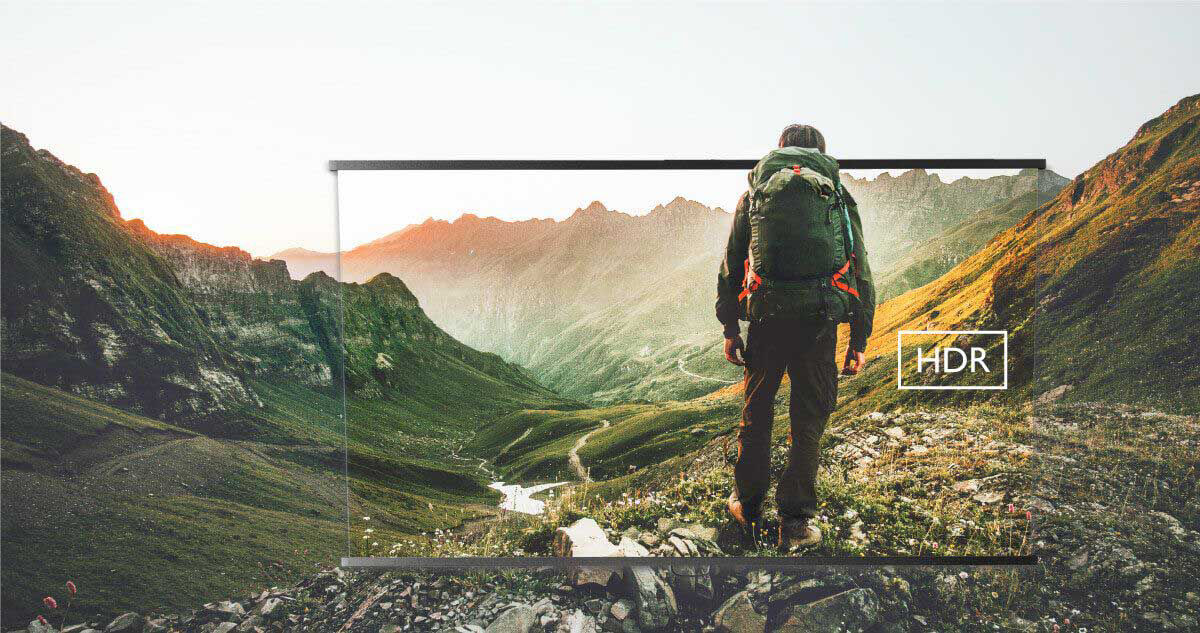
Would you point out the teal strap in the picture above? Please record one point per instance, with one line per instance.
(846, 221)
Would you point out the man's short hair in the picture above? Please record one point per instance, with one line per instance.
(799, 135)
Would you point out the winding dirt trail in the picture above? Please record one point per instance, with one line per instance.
(688, 373)
(573, 456)
(514, 442)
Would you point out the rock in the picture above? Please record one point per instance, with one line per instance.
(269, 606)
(895, 432)
(1053, 395)
(683, 547)
(852, 611)
(577, 622)
(989, 497)
(157, 625)
(232, 608)
(622, 609)
(666, 525)
(126, 623)
(631, 548)
(519, 618)
(225, 627)
(250, 623)
(703, 532)
(969, 486)
(38, 627)
(876, 416)
(918, 449)
(737, 615)
(1078, 560)
(654, 598)
(585, 538)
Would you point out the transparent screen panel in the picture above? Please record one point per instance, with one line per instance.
(530, 349)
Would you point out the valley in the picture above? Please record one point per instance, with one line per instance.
(630, 297)
(187, 406)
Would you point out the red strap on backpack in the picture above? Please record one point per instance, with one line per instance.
(839, 277)
(750, 281)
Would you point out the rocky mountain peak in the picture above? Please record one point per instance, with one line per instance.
(594, 209)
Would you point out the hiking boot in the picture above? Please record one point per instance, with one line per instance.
(742, 515)
(795, 534)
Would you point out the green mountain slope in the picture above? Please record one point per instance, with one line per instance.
(932, 258)
(1095, 288)
(88, 309)
(161, 395)
(605, 306)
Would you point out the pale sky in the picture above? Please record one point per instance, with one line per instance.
(217, 119)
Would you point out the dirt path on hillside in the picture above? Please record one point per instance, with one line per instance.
(514, 442)
(688, 373)
(573, 456)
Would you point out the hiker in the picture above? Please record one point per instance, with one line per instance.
(795, 267)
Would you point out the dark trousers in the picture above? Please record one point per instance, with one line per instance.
(805, 351)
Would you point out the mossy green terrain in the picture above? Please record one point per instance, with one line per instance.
(167, 402)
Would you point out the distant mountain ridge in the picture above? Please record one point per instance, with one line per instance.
(165, 325)
(900, 212)
(604, 305)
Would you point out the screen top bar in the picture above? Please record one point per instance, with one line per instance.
(848, 163)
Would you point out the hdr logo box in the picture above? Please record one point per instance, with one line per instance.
(941, 360)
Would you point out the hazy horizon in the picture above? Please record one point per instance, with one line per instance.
(218, 120)
(373, 204)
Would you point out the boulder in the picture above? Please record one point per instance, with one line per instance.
(622, 609)
(225, 627)
(250, 623)
(126, 623)
(585, 538)
(632, 548)
(519, 618)
(737, 615)
(577, 622)
(38, 627)
(654, 598)
(852, 611)
(269, 606)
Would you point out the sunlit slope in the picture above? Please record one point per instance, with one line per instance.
(1096, 287)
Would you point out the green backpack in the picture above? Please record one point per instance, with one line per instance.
(801, 243)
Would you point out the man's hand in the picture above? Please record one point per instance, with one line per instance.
(732, 345)
(854, 361)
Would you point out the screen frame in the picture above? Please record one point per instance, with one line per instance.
(737, 563)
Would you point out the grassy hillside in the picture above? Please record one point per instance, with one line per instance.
(1094, 288)
(86, 307)
(182, 406)
(934, 257)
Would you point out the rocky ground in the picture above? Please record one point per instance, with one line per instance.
(1105, 496)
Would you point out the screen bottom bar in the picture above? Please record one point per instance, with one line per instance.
(726, 562)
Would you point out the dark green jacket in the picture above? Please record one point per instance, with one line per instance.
(729, 278)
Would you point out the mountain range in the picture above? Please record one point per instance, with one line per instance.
(168, 404)
(609, 307)
(161, 393)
